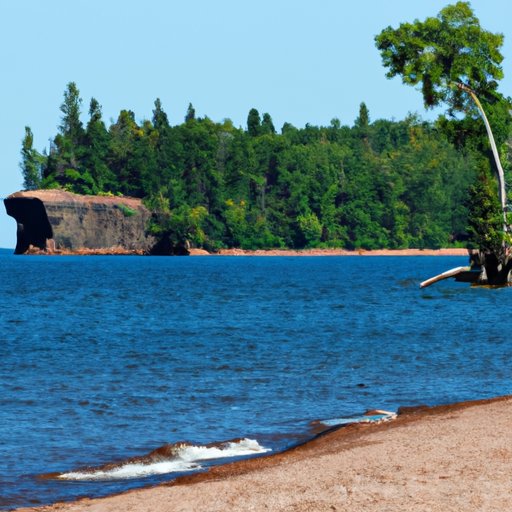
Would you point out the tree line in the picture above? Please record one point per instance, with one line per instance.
(380, 184)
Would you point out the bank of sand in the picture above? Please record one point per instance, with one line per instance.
(451, 458)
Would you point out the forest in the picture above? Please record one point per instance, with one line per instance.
(369, 184)
(381, 184)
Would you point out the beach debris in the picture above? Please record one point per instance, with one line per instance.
(445, 275)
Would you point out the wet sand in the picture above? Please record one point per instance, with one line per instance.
(448, 458)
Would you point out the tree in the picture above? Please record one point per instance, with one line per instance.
(441, 52)
(71, 126)
(267, 126)
(485, 222)
(363, 119)
(160, 120)
(362, 122)
(458, 64)
(125, 136)
(31, 162)
(65, 164)
(96, 147)
(191, 113)
(253, 123)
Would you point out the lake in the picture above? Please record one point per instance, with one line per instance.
(108, 358)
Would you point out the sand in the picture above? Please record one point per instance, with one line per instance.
(334, 252)
(451, 458)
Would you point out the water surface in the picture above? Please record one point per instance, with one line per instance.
(106, 358)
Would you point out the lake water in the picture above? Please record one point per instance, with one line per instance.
(108, 358)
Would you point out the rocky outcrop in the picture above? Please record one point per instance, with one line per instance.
(56, 221)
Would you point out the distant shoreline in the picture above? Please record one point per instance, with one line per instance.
(119, 251)
(333, 252)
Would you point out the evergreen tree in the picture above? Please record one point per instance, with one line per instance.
(31, 162)
(253, 123)
(363, 119)
(71, 127)
(123, 141)
(485, 221)
(96, 147)
(191, 113)
(160, 120)
(267, 126)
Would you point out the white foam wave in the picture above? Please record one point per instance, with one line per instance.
(371, 418)
(132, 470)
(230, 449)
(185, 458)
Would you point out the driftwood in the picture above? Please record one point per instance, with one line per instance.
(485, 269)
(445, 275)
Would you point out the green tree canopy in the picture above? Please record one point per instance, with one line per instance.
(377, 184)
(441, 52)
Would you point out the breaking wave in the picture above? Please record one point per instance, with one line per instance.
(375, 416)
(171, 458)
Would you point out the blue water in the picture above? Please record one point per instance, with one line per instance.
(105, 358)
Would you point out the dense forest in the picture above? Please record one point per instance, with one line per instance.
(380, 184)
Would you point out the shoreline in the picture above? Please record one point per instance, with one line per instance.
(447, 457)
(337, 252)
(121, 251)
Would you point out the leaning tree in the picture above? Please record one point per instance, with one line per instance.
(456, 63)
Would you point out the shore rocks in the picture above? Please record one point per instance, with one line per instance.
(56, 222)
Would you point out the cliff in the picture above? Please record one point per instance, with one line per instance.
(56, 221)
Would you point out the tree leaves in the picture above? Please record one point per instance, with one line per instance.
(440, 52)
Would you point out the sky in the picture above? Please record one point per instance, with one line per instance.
(302, 61)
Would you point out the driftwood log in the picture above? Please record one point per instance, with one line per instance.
(485, 269)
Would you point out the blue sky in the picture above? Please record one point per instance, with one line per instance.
(301, 61)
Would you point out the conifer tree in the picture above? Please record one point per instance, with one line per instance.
(96, 147)
(31, 162)
(267, 125)
(160, 120)
(191, 113)
(71, 127)
(253, 123)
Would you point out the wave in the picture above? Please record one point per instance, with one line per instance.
(171, 458)
(185, 457)
(375, 416)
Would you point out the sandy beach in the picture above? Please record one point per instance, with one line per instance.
(447, 458)
(333, 252)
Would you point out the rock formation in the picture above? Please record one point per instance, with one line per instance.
(56, 221)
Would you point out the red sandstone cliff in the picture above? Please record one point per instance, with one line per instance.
(59, 221)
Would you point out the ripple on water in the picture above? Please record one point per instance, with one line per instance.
(131, 353)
